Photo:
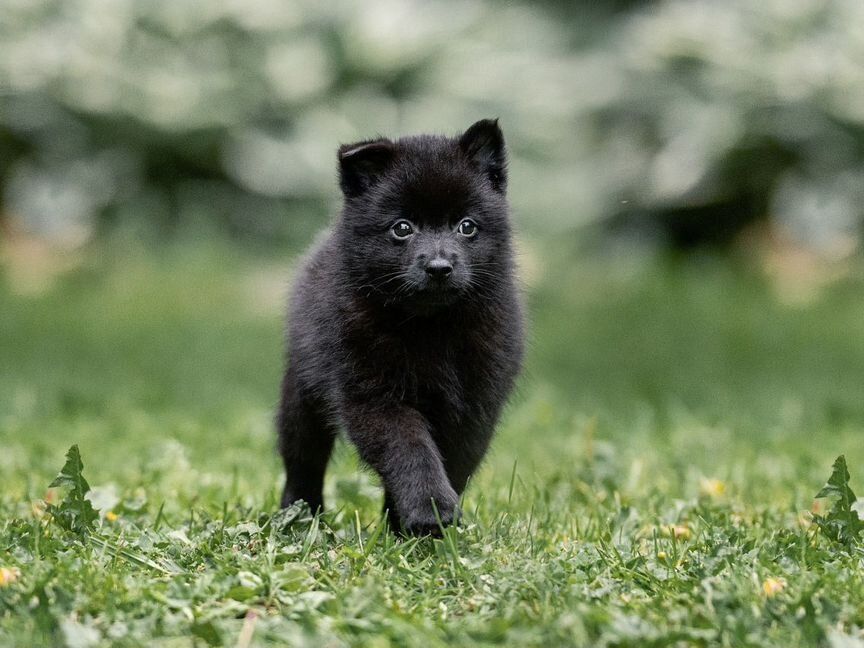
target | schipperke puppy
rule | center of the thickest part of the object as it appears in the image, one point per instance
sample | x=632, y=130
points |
x=405, y=325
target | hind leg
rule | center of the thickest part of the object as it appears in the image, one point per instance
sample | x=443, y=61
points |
x=305, y=442
x=390, y=511
x=463, y=458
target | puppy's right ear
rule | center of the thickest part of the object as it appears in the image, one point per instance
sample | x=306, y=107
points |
x=362, y=164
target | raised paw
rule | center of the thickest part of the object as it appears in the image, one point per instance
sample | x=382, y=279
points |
x=422, y=520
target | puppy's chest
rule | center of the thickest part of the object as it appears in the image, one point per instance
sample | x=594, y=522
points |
x=440, y=386
x=431, y=372
x=429, y=368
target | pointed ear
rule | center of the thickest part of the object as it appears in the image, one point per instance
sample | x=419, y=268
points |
x=362, y=164
x=483, y=144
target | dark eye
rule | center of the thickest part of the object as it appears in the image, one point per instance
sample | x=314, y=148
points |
x=467, y=228
x=402, y=229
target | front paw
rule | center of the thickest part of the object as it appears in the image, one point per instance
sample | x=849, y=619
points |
x=290, y=497
x=421, y=519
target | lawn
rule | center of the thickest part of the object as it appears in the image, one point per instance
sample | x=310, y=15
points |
x=652, y=483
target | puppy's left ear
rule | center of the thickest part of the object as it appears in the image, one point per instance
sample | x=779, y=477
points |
x=361, y=165
x=483, y=144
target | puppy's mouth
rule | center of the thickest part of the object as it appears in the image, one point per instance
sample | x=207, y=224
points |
x=437, y=294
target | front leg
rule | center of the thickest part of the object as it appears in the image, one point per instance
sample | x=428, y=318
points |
x=397, y=443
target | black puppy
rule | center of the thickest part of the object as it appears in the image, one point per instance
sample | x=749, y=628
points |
x=406, y=326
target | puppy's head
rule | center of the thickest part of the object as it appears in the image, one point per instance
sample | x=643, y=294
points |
x=425, y=219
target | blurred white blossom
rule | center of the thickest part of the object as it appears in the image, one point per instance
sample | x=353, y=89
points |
x=649, y=109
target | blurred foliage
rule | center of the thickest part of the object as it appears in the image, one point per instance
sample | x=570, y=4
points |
x=687, y=119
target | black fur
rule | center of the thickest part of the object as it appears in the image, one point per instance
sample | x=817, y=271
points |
x=410, y=345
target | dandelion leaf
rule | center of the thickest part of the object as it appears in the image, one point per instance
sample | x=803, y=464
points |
x=75, y=513
x=842, y=523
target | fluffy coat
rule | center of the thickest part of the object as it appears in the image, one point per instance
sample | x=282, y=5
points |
x=406, y=327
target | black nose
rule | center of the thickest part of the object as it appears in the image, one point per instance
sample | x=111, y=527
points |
x=439, y=268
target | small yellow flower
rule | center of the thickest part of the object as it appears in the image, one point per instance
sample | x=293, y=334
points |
x=111, y=516
x=37, y=509
x=662, y=556
x=773, y=586
x=8, y=575
x=681, y=531
x=712, y=487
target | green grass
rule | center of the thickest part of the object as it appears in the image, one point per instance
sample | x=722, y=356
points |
x=593, y=522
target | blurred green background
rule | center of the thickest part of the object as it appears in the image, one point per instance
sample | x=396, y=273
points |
x=682, y=123
x=687, y=187
x=687, y=183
